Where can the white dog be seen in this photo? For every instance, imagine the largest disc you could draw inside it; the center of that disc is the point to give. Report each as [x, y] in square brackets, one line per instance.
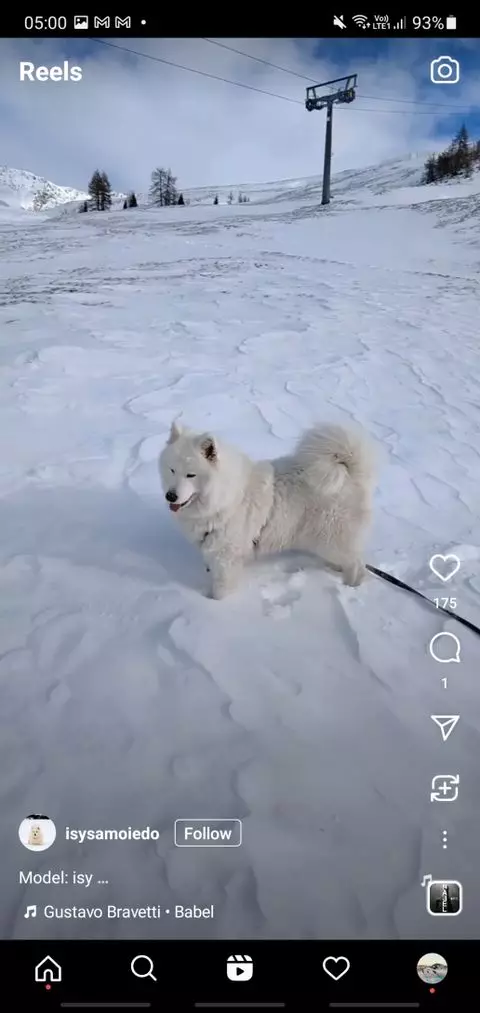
[317, 500]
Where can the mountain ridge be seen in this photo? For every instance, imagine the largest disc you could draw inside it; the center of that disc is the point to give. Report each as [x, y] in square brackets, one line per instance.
[23, 190]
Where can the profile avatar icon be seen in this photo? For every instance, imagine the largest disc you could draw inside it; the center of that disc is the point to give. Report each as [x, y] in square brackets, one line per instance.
[37, 832]
[432, 968]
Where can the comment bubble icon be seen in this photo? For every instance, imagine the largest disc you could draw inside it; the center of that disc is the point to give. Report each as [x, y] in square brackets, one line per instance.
[445, 648]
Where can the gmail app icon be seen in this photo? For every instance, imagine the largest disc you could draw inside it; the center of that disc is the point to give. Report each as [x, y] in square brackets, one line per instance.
[101, 22]
[123, 22]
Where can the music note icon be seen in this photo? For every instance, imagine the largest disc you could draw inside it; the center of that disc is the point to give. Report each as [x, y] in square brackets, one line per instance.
[31, 911]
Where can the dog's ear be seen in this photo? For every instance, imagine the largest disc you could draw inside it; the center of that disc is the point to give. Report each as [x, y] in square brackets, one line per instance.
[175, 432]
[208, 447]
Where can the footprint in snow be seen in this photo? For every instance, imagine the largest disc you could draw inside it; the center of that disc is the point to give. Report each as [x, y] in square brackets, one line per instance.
[279, 596]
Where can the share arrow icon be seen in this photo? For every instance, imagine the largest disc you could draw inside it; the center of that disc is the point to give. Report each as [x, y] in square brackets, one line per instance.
[446, 723]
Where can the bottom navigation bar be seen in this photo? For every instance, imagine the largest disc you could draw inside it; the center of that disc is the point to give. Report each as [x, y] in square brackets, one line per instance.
[241, 974]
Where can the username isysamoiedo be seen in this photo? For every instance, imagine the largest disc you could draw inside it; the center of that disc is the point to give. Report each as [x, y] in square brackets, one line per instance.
[129, 834]
[29, 72]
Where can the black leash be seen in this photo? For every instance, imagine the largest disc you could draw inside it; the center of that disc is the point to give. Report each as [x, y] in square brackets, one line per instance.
[406, 587]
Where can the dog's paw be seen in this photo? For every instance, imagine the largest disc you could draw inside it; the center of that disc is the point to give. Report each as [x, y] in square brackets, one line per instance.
[219, 589]
[354, 575]
[217, 593]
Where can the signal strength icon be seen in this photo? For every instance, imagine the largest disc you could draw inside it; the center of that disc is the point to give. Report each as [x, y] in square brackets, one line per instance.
[361, 20]
[400, 25]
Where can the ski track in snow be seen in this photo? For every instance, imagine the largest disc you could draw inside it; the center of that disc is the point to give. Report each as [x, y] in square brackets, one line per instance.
[298, 705]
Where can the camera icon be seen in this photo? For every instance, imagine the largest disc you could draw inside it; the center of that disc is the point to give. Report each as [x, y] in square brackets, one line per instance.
[444, 70]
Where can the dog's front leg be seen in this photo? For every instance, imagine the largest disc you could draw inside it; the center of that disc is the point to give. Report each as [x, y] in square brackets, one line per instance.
[224, 572]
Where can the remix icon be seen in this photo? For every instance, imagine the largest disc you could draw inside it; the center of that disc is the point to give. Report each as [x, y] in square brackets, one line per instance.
[445, 788]
[444, 897]
[432, 968]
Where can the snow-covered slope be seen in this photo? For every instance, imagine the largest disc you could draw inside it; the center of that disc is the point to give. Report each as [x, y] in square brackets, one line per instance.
[301, 707]
[21, 189]
[377, 179]
[25, 190]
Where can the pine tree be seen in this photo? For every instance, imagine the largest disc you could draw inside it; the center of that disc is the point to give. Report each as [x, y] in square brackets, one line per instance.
[230, 198]
[181, 200]
[216, 199]
[105, 192]
[240, 198]
[458, 159]
[83, 207]
[461, 150]
[100, 190]
[157, 187]
[125, 205]
[163, 191]
[431, 172]
[171, 193]
[444, 165]
[95, 188]
[132, 200]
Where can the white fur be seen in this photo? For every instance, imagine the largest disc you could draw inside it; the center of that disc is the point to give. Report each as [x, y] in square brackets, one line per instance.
[316, 500]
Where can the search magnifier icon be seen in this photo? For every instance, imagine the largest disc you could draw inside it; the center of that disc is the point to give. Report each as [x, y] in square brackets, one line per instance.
[143, 974]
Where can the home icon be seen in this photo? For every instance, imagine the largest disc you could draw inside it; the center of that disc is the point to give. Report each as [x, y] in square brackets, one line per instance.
[48, 970]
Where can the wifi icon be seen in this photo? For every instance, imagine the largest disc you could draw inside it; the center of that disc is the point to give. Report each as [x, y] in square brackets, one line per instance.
[361, 20]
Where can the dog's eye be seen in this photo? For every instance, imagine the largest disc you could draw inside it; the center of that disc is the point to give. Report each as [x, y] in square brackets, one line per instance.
[172, 470]
[191, 476]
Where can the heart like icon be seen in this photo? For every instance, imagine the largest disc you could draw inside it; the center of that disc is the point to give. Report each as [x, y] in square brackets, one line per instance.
[450, 568]
[336, 967]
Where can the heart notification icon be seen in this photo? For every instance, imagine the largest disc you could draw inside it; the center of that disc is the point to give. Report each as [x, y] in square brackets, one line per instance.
[336, 967]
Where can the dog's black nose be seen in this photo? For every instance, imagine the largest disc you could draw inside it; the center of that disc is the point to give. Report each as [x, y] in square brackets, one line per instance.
[171, 496]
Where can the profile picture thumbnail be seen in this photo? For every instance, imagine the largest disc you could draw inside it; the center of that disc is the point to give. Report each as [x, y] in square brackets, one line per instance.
[432, 968]
[37, 832]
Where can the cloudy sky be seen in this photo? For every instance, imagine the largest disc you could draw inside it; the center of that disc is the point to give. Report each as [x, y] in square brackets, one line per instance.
[133, 112]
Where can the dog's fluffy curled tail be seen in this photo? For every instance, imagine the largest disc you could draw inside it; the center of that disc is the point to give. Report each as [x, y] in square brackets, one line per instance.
[330, 455]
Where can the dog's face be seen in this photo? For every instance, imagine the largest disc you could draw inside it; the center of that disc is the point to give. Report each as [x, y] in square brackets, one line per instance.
[35, 836]
[187, 467]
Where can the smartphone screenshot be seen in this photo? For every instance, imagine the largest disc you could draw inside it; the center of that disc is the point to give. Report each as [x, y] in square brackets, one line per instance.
[239, 511]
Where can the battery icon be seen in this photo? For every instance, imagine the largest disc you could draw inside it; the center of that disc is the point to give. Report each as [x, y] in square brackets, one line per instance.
[451, 23]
